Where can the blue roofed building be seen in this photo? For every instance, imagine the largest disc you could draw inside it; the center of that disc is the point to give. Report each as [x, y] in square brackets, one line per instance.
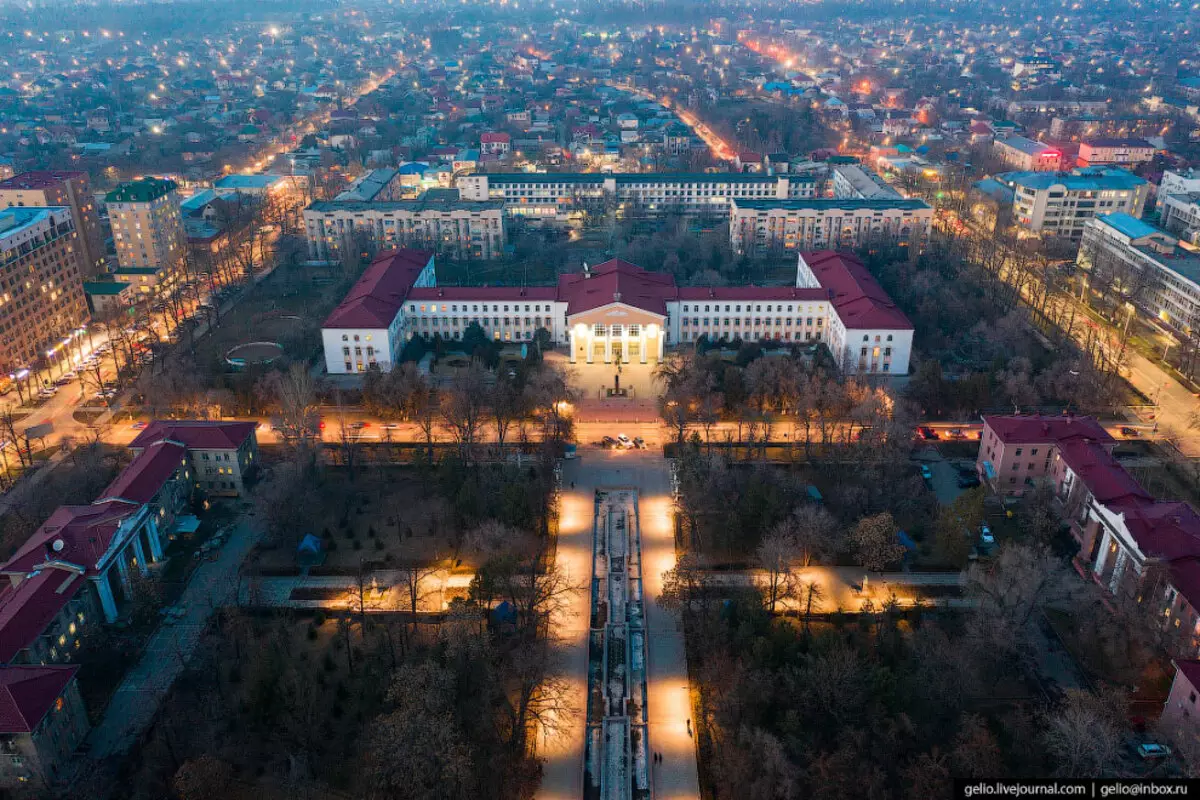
[1159, 276]
[1059, 204]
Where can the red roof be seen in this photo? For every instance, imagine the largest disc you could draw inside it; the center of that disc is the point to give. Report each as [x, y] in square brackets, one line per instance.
[861, 302]
[28, 693]
[196, 434]
[377, 296]
[85, 533]
[27, 608]
[494, 138]
[1037, 429]
[150, 469]
[1166, 529]
[1104, 477]
[751, 293]
[617, 281]
[40, 179]
[468, 293]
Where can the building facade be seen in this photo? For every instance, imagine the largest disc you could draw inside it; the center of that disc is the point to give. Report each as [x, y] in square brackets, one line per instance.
[765, 226]
[41, 284]
[1115, 152]
[620, 313]
[1020, 153]
[1059, 204]
[42, 722]
[1180, 214]
[68, 188]
[221, 455]
[556, 196]
[1162, 277]
[147, 224]
[458, 230]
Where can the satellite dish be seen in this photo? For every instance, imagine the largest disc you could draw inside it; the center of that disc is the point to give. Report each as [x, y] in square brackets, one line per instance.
[58, 545]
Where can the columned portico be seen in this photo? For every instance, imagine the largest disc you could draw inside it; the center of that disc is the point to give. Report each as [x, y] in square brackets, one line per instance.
[616, 334]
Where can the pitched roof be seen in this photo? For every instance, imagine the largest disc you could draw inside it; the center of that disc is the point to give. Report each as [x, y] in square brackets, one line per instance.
[85, 533]
[40, 179]
[377, 296]
[1036, 429]
[196, 434]
[861, 302]
[141, 191]
[150, 469]
[614, 281]
[28, 693]
[1104, 477]
[27, 608]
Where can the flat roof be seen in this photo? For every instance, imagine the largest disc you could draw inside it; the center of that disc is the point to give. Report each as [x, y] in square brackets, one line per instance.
[1078, 180]
[16, 219]
[639, 177]
[823, 203]
[419, 204]
[248, 181]
[1127, 224]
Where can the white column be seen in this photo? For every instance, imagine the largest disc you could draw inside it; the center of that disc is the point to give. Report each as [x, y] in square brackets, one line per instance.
[1102, 556]
[140, 553]
[1118, 571]
[645, 342]
[608, 347]
[590, 342]
[123, 570]
[571, 336]
[155, 540]
[107, 604]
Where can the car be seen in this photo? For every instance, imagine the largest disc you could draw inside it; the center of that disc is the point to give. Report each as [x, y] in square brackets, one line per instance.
[1127, 431]
[138, 426]
[639, 443]
[927, 432]
[63, 381]
[956, 433]
[1149, 751]
[624, 441]
[968, 481]
[608, 441]
[926, 472]
[985, 535]
[70, 374]
[358, 426]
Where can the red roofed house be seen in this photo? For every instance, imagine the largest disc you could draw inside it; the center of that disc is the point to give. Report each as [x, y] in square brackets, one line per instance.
[42, 721]
[103, 543]
[494, 143]
[619, 312]
[159, 476]
[1017, 451]
[367, 327]
[221, 456]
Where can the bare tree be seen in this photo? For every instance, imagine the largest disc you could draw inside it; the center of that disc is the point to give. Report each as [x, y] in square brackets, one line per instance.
[777, 553]
[296, 419]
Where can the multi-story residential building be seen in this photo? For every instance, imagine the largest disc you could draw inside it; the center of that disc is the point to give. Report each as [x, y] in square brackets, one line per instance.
[620, 313]
[1060, 203]
[1019, 153]
[556, 196]
[221, 456]
[853, 182]
[147, 225]
[68, 188]
[1115, 152]
[41, 285]
[1180, 214]
[453, 228]
[1162, 278]
[42, 721]
[762, 226]
[1180, 182]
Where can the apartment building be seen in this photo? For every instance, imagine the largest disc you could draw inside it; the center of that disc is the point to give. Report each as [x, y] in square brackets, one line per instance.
[853, 182]
[1019, 153]
[147, 224]
[1060, 203]
[68, 188]
[1125, 248]
[1180, 214]
[1115, 152]
[554, 197]
[617, 312]
[1180, 182]
[373, 186]
[765, 226]
[450, 227]
[41, 284]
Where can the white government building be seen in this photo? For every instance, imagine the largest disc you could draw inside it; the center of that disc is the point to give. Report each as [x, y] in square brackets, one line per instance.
[619, 312]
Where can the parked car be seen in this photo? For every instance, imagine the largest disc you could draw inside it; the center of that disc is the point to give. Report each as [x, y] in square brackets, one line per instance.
[956, 433]
[926, 472]
[624, 441]
[1152, 751]
[138, 426]
[1127, 431]
[639, 443]
[609, 441]
[985, 535]
[968, 481]
[63, 381]
[928, 433]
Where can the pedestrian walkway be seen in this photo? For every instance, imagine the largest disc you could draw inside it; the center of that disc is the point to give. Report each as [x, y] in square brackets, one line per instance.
[135, 702]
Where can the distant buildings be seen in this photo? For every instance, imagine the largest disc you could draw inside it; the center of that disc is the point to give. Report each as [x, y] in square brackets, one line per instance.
[1027, 155]
[1060, 203]
[62, 188]
[1148, 263]
[853, 182]
[41, 289]
[1115, 152]
[758, 227]
[1179, 204]
[147, 225]
[553, 197]
[620, 313]
[456, 229]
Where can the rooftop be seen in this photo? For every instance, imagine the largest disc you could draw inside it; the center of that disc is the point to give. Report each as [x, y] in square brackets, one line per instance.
[27, 608]
[150, 469]
[19, 219]
[144, 190]
[28, 693]
[1037, 429]
[260, 182]
[377, 296]
[1127, 224]
[825, 203]
[196, 434]
[40, 179]
[1092, 179]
